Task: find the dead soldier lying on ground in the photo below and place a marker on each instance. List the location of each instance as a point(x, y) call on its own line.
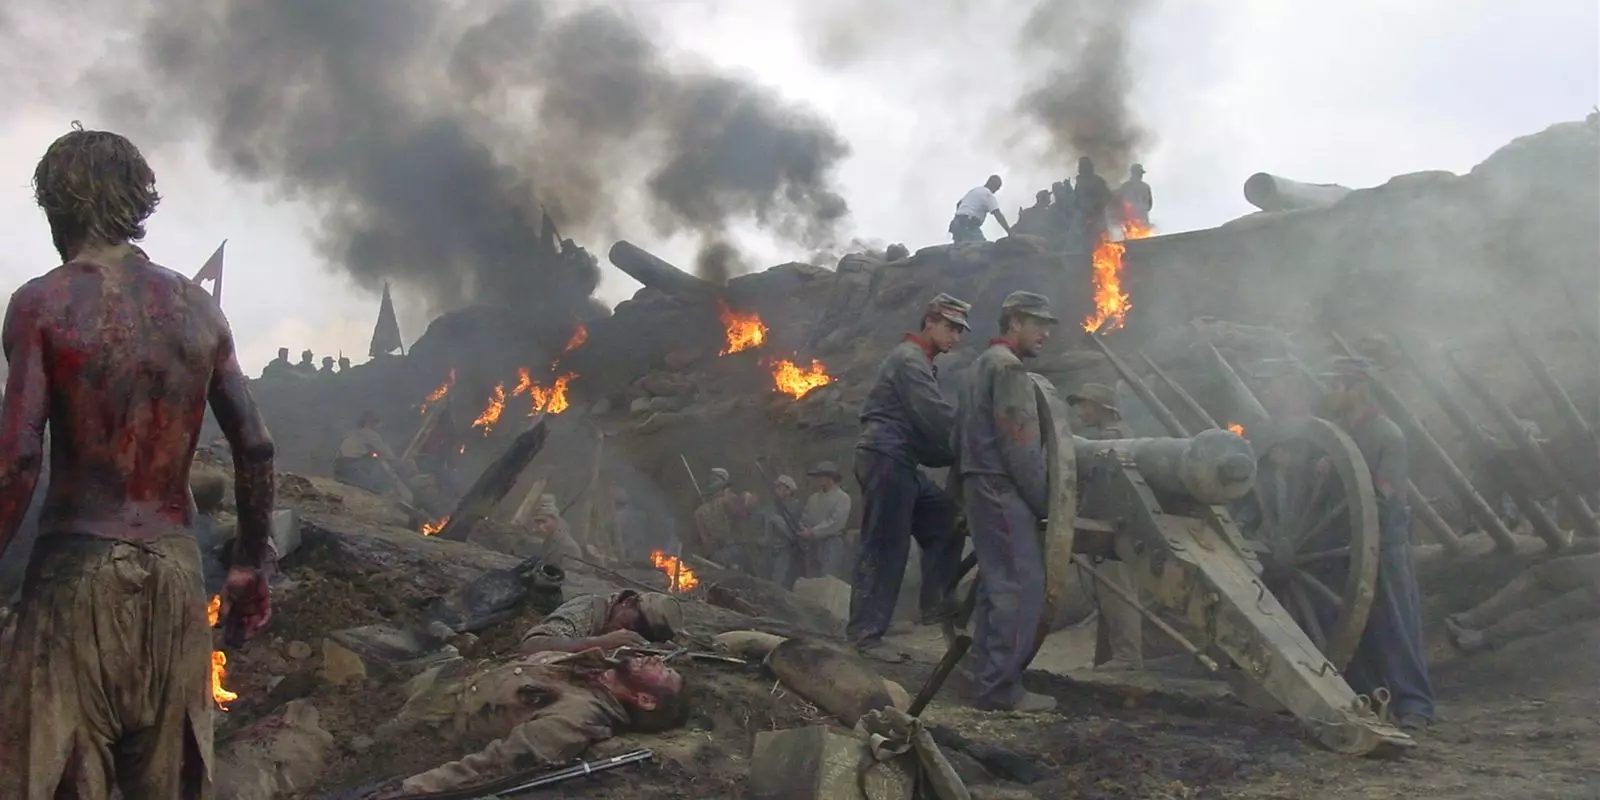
point(541, 710)
point(620, 619)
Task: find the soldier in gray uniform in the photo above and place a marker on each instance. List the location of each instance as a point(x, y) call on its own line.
point(1391, 652)
point(1001, 462)
point(1119, 631)
point(907, 422)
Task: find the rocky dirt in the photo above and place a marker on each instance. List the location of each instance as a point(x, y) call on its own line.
point(1520, 722)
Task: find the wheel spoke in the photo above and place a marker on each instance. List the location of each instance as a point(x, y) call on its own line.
point(1311, 581)
point(1308, 498)
point(1316, 530)
point(1309, 558)
point(1308, 613)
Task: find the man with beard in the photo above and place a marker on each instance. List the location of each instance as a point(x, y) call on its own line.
point(539, 709)
point(106, 684)
point(906, 422)
point(1001, 462)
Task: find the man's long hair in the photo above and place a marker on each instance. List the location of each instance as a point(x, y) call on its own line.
point(94, 187)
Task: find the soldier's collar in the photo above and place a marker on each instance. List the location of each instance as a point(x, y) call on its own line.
point(927, 346)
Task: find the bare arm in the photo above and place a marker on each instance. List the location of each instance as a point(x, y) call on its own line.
point(246, 432)
point(26, 411)
point(1001, 218)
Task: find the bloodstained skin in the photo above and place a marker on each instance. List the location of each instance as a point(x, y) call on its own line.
point(120, 356)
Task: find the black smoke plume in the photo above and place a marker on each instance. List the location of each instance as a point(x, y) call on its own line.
point(429, 136)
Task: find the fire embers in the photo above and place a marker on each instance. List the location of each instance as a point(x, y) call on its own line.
point(1111, 302)
point(745, 331)
point(433, 528)
point(680, 578)
point(1236, 428)
point(219, 660)
point(549, 396)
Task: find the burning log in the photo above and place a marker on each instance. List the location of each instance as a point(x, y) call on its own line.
point(680, 578)
point(496, 482)
point(795, 380)
point(219, 660)
point(1272, 193)
point(650, 270)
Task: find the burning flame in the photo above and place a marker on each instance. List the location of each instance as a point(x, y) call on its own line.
point(219, 660)
point(1236, 428)
point(743, 330)
point(1111, 303)
point(431, 528)
point(792, 380)
point(679, 577)
point(580, 334)
point(491, 412)
point(552, 398)
point(438, 394)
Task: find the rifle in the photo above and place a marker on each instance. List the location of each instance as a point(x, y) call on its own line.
point(692, 481)
point(522, 783)
point(783, 510)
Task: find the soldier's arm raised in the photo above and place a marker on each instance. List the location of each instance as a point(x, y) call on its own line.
point(25, 412)
point(246, 432)
point(1016, 422)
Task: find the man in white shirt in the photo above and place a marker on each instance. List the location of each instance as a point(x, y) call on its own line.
point(967, 225)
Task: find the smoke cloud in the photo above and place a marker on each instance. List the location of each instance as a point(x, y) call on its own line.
point(429, 137)
point(1073, 56)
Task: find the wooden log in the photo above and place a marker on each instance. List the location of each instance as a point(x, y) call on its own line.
point(1433, 522)
point(1568, 410)
point(1485, 450)
point(496, 482)
point(1534, 456)
point(1183, 396)
point(1157, 408)
point(1488, 518)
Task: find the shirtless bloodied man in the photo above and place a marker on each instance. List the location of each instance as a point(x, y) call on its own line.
point(107, 684)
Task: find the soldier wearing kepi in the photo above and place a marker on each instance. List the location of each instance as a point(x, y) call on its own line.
point(907, 421)
point(106, 682)
point(1119, 633)
point(1391, 651)
point(1001, 458)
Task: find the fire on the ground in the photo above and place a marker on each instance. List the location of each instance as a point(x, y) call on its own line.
point(680, 578)
point(219, 660)
point(432, 528)
point(744, 330)
point(1236, 428)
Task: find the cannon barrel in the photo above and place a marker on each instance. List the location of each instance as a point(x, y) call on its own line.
point(654, 272)
point(1216, 466)
point(1273, 193)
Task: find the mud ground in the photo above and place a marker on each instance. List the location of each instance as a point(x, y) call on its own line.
point(1522, 722)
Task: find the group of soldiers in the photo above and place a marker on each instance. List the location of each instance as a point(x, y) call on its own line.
point(280, 366)
point(1075, 217)
point(782, 541)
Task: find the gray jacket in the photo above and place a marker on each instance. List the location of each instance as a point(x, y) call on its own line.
point(905, 416)
point(826, 513)
point(997, 428)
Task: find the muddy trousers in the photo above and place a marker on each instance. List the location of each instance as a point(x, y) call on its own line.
point(1391, 652)
point(899, 503)
point(1011, 587)
point(108, 682)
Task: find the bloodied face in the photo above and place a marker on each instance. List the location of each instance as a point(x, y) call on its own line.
point(649, 679)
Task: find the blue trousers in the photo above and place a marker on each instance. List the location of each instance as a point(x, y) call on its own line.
point(898, 503)
point(1391, 651)
point(1011, 587)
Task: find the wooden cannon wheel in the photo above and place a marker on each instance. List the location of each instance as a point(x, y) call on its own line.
point(1319, 523)
point(1055, 535)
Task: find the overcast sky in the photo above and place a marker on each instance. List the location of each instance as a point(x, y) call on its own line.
point(1351, 93)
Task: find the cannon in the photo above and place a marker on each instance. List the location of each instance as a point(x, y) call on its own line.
point(1273, 193)
point(1158, 506)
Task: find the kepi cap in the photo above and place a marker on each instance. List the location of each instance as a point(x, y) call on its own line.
point(788, 483)
point(546, 507)
point(1031, 304)
point(827, 468)
point(951, 309)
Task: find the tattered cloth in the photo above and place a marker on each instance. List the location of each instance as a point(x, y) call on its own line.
point(891, 733)
point(108, 676)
